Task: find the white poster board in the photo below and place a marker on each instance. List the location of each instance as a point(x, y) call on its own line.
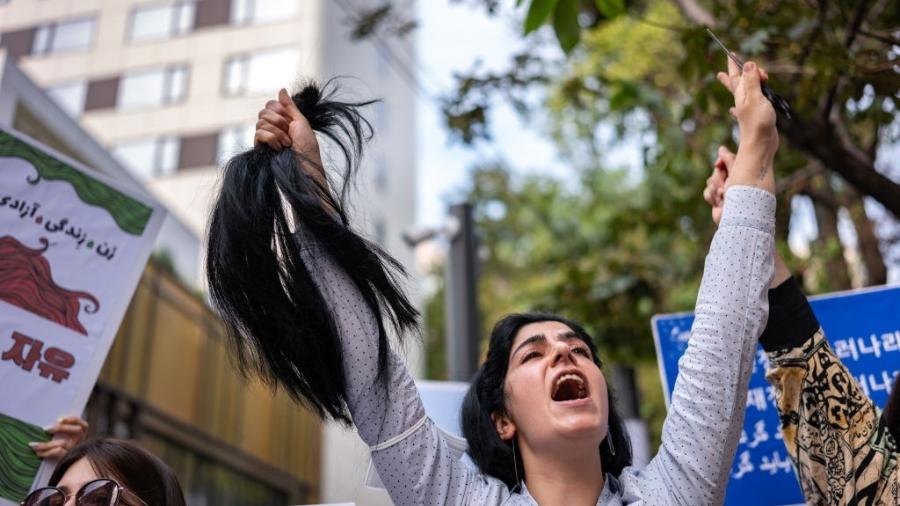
point(73, 244)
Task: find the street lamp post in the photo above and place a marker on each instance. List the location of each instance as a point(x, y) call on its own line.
point(461, 297)
point(461, 279)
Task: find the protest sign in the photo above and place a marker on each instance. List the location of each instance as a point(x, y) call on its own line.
point(863, 328)
point(73, 244)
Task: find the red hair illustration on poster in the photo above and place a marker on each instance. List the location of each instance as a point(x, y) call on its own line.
point(26, 281)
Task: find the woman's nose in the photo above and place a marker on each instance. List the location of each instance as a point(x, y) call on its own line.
point(561, 352)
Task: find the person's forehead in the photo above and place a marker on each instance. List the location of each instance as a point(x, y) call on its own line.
point(77, 475)
point(551, 330)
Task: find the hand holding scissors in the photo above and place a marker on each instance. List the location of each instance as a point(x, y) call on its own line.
point(778, 103)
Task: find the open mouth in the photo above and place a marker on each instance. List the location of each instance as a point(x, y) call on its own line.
point(569, 387)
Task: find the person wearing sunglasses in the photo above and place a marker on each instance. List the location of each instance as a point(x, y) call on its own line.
point(109, 472)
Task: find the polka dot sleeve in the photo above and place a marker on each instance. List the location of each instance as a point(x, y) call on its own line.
point(412, 459)
point(703, 426)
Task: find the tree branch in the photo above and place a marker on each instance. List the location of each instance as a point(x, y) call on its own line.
point(849, 37)
point(796, 181)
point(695, 13)
point(821, 198)
point(818, 139)
point(657, 24)
point(855, 23)
point(881, 37)
point(814, 34)
point(839, 128)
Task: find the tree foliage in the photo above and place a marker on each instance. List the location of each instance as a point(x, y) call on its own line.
point(835, 62)
point(650, 72)
point(606, 251)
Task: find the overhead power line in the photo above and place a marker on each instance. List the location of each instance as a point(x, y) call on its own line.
point(406, 69)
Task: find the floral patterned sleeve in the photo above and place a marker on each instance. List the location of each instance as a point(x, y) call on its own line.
point(836, 437)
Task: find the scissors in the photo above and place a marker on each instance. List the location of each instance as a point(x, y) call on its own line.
point(778, 103)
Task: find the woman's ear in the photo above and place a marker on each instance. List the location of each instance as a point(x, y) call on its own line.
point(505, 427)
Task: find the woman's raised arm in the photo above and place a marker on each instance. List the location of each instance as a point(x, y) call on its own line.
point(278, 321)
point(841, 447)
point(306, 299)
point(703, 426)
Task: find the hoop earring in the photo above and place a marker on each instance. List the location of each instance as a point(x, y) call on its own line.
point(518, 485)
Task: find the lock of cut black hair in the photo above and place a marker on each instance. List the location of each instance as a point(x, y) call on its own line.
point(279, 325)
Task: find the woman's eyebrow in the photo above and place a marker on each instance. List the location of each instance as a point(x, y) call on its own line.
point(531, 340)
point(569, 335)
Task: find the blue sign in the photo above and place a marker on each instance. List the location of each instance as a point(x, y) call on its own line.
point(863, 328)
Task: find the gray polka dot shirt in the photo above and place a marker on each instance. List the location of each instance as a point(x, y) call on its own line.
point(700, 433)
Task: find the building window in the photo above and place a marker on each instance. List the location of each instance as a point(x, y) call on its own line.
point(154, 22)
point(263, 72)
point(198, 150)
point(71, 97)
point(75, 35)
point(245, 12)
point(234, 140)
point(157, 87)
point(18, 43)
point(102, 93)
point(149, 158)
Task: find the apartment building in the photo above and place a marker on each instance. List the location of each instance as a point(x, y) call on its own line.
point(172, 87)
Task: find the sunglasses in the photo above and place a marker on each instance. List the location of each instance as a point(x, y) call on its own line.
point(100, 492)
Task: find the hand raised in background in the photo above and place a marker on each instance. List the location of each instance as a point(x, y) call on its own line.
point(753, 163)
point(717, 183)
point(67, 433)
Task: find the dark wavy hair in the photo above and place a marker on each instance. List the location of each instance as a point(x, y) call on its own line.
point(486, 396)
point(892, 411)
point(139, 471)
point(276, 317)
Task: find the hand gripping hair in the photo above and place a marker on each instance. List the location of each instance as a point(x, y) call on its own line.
point(277, 319)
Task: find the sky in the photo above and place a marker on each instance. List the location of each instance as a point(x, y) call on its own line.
point(451, 37)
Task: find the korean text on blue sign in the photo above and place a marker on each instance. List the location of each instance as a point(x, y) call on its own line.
point(863, 328)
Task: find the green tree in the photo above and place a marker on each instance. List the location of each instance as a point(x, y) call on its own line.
point(648, 67)
point(649, 70)
point(833, 61)
point(603, 252)
point(609, 252)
